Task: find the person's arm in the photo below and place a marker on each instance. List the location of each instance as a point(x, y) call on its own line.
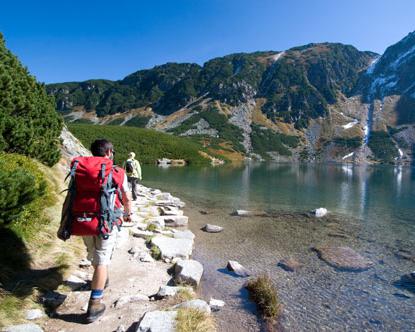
point(138, 170)
point(126, 199)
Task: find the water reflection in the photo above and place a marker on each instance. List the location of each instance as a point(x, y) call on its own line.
point(364, 192)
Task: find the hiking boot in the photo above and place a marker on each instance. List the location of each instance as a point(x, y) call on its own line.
point(95, 310)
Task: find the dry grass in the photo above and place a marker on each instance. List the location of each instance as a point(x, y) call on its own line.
point(184, 295)
point(50, 257)
point(193, 320)
point(264, 294)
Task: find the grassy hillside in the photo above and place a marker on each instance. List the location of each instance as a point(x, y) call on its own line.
point(149, 145)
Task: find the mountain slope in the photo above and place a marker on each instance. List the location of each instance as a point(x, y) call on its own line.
point(317, 102)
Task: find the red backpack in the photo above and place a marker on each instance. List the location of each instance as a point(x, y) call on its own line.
point(93, 204)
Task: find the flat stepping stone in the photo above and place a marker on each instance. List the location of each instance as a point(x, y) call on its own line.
point(188, 272)
point(158, 321)
point(343, 258)
point(171, 248)
point(187, 234)
point(194, 304)
point(123, 300)
point(166, 291)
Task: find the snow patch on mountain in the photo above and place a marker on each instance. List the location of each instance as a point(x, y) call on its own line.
point(350, 124)
point(276, 57)
point(372, 66)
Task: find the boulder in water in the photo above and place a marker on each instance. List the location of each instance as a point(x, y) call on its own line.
point(343, 258)
point(216, 305)
point(237, 268)
point(320, 212)
point(212, 228)
point(246, 213)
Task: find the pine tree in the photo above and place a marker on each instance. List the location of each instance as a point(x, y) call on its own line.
point(29, 124)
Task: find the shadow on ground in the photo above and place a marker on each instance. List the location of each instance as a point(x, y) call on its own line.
point(17, 277)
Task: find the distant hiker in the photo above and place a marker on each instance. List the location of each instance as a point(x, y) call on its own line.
point(98, 201)
point(133, 169)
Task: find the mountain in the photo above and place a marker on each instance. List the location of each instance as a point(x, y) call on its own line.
point(317, 102)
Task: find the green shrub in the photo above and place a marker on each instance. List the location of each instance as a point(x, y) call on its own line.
point(226, 131)
point(382, 146)
point(151, 228)
point(149, 145)
point(266, 140)
point(138, 121)
point(155, 252)
point(263, 293)
point(352, 142)
point(29, 124)
point(24, 193)
point(116, 122)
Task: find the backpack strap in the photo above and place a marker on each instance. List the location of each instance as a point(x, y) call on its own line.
point(108, 214)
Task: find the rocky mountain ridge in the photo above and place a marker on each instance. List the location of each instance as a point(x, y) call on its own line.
point(317, 102)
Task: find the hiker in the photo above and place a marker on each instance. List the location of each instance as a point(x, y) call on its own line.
point(133, 169)
point(97, 203)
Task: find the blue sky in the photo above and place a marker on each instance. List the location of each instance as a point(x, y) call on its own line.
point(78, 40)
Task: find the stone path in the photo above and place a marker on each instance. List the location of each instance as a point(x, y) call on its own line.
point(135, 276)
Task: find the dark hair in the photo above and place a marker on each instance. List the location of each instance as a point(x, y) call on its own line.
point(100, 147)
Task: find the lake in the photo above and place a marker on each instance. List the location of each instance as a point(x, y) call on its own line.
point(372, 210)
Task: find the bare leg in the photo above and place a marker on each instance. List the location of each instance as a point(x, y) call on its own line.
point(100, 277)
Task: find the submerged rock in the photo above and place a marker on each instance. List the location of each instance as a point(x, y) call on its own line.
point(212, 228)
point(246, 213)
point(407, 282)
point(234, 266)
point(194, 304)
point(158, 321)
point(188, 272)
point(343, 258)
point(290, 264)
point(405, 254)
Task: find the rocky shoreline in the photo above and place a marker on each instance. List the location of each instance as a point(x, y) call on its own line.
point(152, 276)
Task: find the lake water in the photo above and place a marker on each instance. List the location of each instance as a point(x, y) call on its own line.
point(373, 212)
